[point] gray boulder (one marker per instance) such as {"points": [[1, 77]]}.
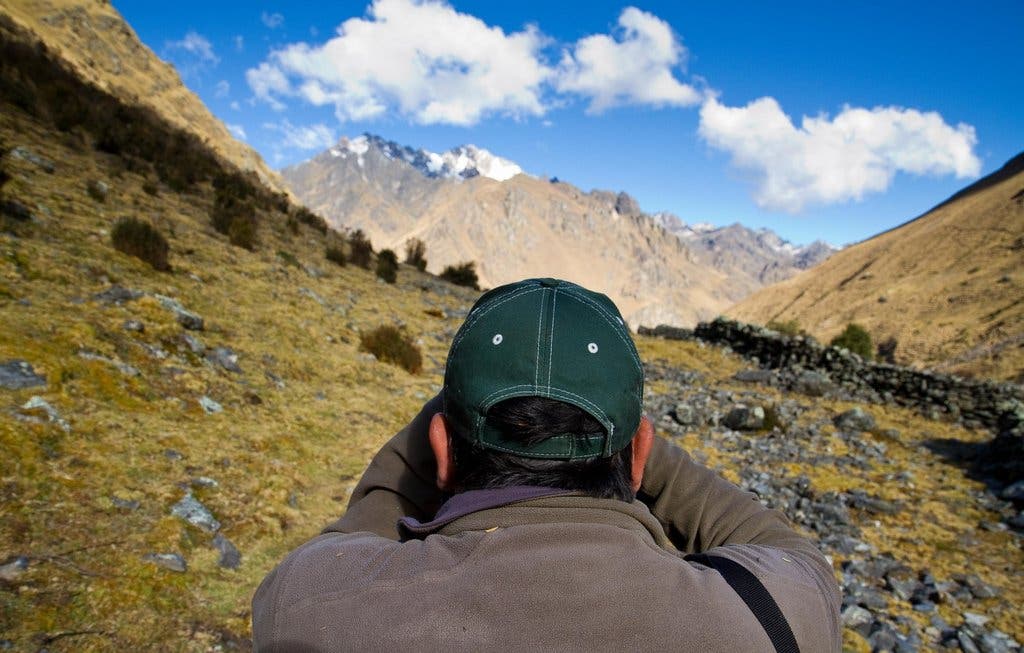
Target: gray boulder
{"points": [[18, 374], [745, 418], [171, 561], [194, 512], [230, 557], [855, 420]]}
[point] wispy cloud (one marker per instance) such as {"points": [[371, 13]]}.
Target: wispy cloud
{"points": [[196, 45], [632, 67], [239, 41], [223, 89], [272, 20], [311, 137], [826, 161]]}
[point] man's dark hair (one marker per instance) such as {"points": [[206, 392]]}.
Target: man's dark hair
{"points": [[532, 420]]}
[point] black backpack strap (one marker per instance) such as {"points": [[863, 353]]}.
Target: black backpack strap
{"points": [[757, 598]]}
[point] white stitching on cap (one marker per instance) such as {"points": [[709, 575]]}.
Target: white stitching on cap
{"points": [[540, 323], [551, 344], [481, 311]]}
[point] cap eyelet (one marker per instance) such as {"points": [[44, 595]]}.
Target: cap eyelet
{"points": [[592, 348], [496, 340]]}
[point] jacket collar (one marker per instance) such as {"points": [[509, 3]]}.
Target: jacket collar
{"points": [[484, 510]]}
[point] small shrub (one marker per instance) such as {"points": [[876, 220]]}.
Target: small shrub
{"points": [[242, 232], [416, 253], [387, 265], [360, 249], [142, 240], [787, 328], [288, 258], [293, 225], [307, 217], [887, 350], [856, 339], [4, 176], [335, 254], [150, 188], [390, 344], [463, 274]]}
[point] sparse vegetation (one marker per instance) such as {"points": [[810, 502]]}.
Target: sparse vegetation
{"points": [[310, 219], [887, 350], [4, 175], [463, 274], [150, 187], [335, 254], [387, 265], [360, 249], [96, 191], [856, 339], [288, 258], [786, 327], [233, 212], [140, 239], [390, 344], [416, 253]]}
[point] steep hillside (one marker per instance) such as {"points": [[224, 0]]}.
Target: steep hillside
{"points": [[467, 204], [947, 286], [103, 49]]}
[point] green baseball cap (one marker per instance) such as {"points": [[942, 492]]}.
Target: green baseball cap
{"points": [[545, 338]]}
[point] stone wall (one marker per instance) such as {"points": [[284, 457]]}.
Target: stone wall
{"points": [[975, 403]]}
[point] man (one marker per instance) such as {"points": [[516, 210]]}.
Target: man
{"points": [[539, 445]]}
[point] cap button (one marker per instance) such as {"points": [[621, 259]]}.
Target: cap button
{"points": [[550, 283]]}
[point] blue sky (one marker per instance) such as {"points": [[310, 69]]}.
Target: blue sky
{"points": [[812, 119]]}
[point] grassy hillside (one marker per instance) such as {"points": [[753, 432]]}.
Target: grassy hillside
{"points": [[87, 490], [946, 286]]}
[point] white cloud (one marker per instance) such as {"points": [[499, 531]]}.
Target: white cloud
{"points": [[237, 130], [198, 46], [273, 21], [235, 106], [239, 43], [826, 161], [420, 58], [223, 88], [313, 137], [633, 67]]}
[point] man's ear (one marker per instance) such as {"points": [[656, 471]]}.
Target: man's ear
{"points": [[641, 449], [440, 442]]}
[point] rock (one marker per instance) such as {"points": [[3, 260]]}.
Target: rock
{"points": [[1017, 521], [171, 561], [230, 558], [225, 357], [989, 643], [745, 418], [204, 481], [855, 419], [685, 415], [18, 374], [883, 639], [975, 620], [979, 588], [755, 376], [171, 454], [185, 318], [41, 162], [858, 619], [814, 384], [15, 210], [11, 570], [195, 513], [924, 606], [134, 325], [124, 368], [98, 190], [194, 344], [39, 404], [117, 295], [209, 405], [967, 644], [1014, 492]]}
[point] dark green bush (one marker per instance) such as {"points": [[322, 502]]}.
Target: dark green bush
{"points": [[887, 350], [141, 240], [242, 232], [307, 217], [150, 187], [416, 253], [335, 254], [387, 265], [390, 344], [360, 249], [856, 339], [463, 274], [288, 258]]}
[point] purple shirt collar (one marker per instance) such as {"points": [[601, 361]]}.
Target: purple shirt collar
{"points": [[472, 501]]}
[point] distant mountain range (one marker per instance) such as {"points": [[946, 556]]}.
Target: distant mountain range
{"points": [[468, 204]]}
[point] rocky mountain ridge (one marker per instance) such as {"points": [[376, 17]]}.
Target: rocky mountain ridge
{"points": [[523, 226]]}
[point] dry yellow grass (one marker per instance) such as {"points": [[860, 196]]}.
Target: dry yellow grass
{"points": [[947, 286]]}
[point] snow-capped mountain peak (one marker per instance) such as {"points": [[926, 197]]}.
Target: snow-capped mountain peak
{"points": [[460, 162]]}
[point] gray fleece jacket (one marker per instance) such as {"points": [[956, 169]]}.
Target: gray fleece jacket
{"points": [[535, 569]]}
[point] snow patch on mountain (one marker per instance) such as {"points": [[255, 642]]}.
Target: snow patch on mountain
{"points": [[461, 162]]}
